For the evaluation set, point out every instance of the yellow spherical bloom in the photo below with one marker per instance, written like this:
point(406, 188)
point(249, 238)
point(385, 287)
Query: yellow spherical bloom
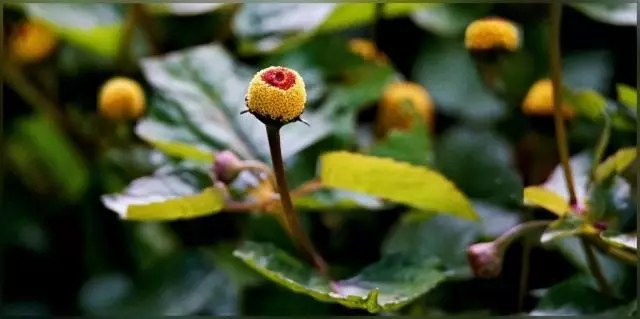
point(400, 104)
point(367, 50)
point(276, 94)
point(539, 100)
point(492, 33)
point(32, 41)
point(121, 99)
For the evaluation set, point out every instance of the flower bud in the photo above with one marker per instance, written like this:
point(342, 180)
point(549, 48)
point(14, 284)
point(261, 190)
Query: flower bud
point(367, 50)
point(276, 95)
point(31, 42)
point(539, 100)
point(485, 260)
point(121, 99)
point(492, 34)
point(226, 166)
point(399, 106)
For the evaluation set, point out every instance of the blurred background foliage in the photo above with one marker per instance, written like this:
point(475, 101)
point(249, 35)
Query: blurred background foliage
point(67, 252)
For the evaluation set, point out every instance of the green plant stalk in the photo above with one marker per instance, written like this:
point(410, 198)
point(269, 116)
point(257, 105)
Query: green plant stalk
point(561, 135)
point(127, 36)
point(292, 223)
point(517, 231)
point(378, 15)
point(620, 254)
point(524, 270)
point(601, 146)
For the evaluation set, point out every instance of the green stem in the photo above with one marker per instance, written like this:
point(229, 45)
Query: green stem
point(595, 268)
point(619, 254)
point(561, 136)
point(124, 54)
point(524, 271)
point(291, 220)
point(515, 232)
point(555, 65)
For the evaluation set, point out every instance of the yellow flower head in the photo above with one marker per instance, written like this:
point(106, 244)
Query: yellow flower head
point(367, 50)
point(32, 41)
point(492, 33)
point(276, 95)
point(539, 100)
point(401, 102)
point(121, 99)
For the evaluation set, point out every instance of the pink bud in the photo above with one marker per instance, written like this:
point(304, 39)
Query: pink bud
point(226, 166)
point(484, 260)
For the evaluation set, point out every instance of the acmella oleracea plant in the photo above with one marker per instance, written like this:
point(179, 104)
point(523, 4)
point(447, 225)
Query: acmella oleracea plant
point(276, 96)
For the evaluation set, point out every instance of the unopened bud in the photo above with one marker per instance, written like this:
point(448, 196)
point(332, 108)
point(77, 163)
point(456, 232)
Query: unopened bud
point(226, 166)
point(485, 260)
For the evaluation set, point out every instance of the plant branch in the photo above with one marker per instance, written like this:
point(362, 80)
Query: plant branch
point(260, 168)
point(524, 270)
point(519, 230)
point(127, 36)
point(291, 220)
point(595, 268)
point(148, 28)
point(621, 255)
point(555, 65)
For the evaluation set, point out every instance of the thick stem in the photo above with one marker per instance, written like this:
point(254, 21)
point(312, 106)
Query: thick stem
point(595, 268)
point(561, 135)
point(524, 270)
point(148, 27)
point(555, 66)
point(291, 220)
point(127, 37)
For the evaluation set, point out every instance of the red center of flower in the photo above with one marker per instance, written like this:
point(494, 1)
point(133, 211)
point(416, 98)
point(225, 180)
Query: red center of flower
point(281, 78)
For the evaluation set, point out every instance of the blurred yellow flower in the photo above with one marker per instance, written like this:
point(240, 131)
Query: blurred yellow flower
point(539, 100)
point(399, 106)
point(32, 41)
point(367, 50)
point(492, 33)
point(121, 99)
point(277, 94)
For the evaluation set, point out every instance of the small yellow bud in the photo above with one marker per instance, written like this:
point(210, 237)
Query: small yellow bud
point(492, 33)
point(539, 100)
point(121, 99)
point(32, 41)
point(367, 50)
point(401, 102)
point(276, 95)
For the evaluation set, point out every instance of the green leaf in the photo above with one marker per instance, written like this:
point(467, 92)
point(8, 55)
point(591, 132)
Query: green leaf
point(572, 249)
point(179, 150)
point(627, 96)
point(491, 175)
point(199, 96)
point(182, 9)
point(96, 27)
point(186, 283)
point(626, 241)
point(264, 28)
point(386, 285)
point(622, 14)
point(449, 19)
point(398, 182)
point(573, 297)
point(170, 193)
point(587, 103)
point(413, 146)
point(616, 163)
point(448, 72)
point(38, 146)
point(415, 233)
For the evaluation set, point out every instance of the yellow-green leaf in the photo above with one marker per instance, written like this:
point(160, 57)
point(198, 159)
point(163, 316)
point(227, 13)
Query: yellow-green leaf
point(615, 163)
point(208, 202)
point(537, 196)
point(183, 151)
point(170, 193)
point(627, 96)
point(403, 183)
